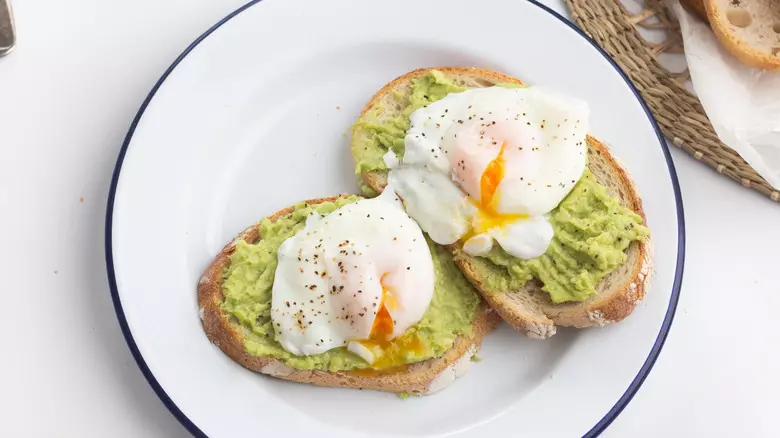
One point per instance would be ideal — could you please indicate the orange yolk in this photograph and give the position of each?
(491, 178)
(394, 354)
(382, 329)
(394, 351)
(487, 217)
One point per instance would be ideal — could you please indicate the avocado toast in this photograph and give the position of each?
(581, 289)
(234, 295)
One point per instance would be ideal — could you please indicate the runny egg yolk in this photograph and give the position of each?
(382, 329)
(491, 178)
(393, 351)
(487, 217)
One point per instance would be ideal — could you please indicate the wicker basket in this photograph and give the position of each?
(678, 111)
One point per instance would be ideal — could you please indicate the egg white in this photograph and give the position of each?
(538, 134)
(328, 284)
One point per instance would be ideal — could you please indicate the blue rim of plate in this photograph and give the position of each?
(595, 431)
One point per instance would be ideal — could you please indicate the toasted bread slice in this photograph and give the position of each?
(749, 29)
(530, 310)
(420, 378)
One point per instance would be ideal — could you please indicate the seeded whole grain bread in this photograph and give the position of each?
(420, 378)
(749, 29)
(530, 310)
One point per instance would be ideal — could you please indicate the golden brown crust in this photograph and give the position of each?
(415, 379)
(738, 47)
(625, 294)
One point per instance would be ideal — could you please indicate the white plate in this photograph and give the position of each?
(251, 118)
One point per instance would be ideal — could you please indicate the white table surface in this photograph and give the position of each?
(67, 95)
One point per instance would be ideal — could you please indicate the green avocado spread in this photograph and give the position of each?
(389, 134)
(248, 281)
(592, 232)
(592, 228)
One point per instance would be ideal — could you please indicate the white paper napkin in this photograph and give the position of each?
(742, 103)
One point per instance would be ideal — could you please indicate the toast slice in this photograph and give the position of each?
(529, 310)
(749, 29)
(421, 378)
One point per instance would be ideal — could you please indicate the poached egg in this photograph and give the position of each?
(489, 164)
(358, 277)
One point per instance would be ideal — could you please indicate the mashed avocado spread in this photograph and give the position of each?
(248, 281)
(592, 228)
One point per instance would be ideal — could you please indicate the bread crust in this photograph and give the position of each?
(614, 306)
(734, 43)
(419, 378)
